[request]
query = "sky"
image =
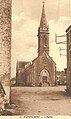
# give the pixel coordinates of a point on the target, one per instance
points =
(26, 16)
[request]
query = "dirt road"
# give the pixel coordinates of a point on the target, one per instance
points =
(41, 101)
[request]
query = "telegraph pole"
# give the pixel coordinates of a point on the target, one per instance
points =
(61, 42)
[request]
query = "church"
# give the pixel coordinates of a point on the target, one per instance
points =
(42, 70)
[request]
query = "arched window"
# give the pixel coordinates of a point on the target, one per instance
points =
(44, 41)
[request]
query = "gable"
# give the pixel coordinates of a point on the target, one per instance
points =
(44, 58)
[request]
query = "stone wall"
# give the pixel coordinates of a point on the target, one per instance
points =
(68, 32)
(5, 45)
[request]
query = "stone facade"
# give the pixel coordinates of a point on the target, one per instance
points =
(5, 45)
(68, 32)
(42, 70)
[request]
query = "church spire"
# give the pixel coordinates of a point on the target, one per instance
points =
(43, 23)
(43, 35)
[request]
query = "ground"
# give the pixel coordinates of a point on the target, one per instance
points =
(41, 101)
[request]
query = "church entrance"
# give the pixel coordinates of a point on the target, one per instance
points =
(44, 77)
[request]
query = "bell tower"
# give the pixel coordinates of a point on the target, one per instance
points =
(43, 34)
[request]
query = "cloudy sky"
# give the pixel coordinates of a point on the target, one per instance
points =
(26, 16)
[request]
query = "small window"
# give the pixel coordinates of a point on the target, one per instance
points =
(45, 41)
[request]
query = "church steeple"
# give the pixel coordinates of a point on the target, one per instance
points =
(43, 34)
(43, 23)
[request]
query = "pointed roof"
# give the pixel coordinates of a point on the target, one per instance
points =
(44, 54)
(43, 22)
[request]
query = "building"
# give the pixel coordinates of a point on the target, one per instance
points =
(5, 46)
(61, 77)
(68, 32)
(42, 70)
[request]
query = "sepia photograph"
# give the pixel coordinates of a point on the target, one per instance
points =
(35, 58)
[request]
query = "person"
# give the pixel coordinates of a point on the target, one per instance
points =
(48, 83)
(40, 84)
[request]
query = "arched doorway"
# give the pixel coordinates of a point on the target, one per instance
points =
(44, 77)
